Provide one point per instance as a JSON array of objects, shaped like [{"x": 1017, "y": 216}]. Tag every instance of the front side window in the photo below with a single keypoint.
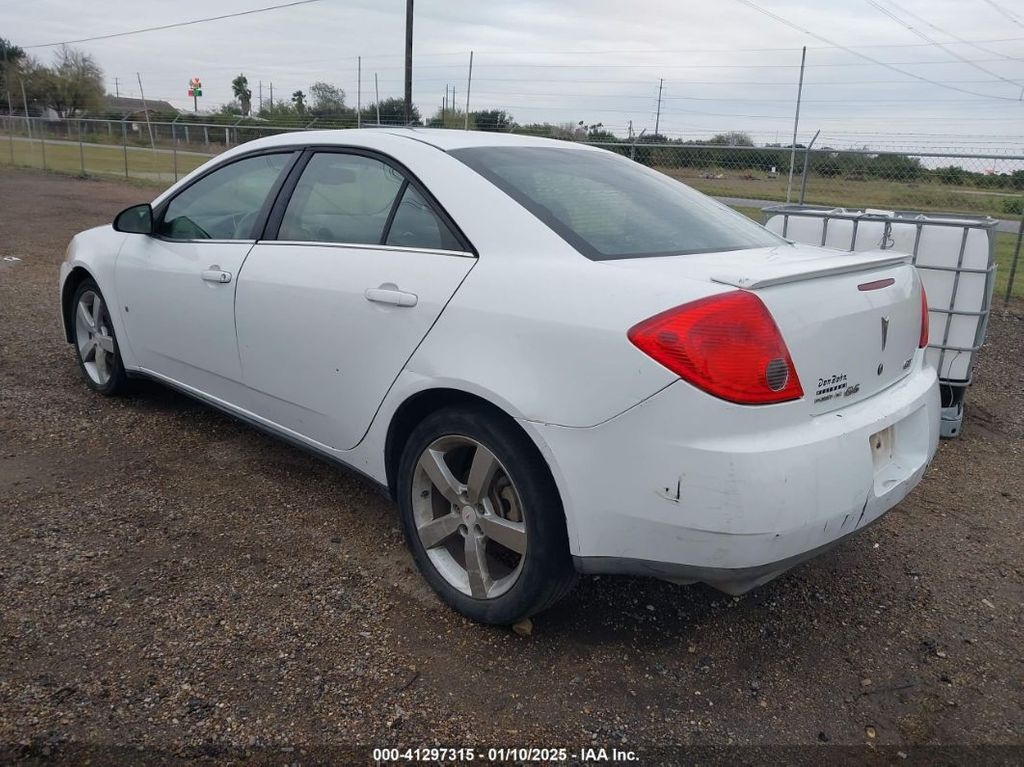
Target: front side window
[
  {"x": 608, "y": 207},
  {"x": 225, "y": 204},
  {"x": 345, "y": 198}
]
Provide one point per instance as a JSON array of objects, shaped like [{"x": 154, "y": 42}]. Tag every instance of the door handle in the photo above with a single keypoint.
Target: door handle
[
  {"x": 216, "y": 274},
  {"x": 390, "y": 294}
]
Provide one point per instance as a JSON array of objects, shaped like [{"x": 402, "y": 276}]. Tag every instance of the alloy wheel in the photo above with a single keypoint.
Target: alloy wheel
[
  {"x": 94, "y": 338},
  {"x": 469, "y": 517}
]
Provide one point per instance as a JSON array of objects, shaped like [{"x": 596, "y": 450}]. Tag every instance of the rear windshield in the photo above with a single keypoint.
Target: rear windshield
[{"x": 609, "y": 207}]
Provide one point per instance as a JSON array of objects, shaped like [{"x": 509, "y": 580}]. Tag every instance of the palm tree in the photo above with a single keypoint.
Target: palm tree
[
  {"x": 299, "y": 100},
  {"x": 240, "y": 86}
]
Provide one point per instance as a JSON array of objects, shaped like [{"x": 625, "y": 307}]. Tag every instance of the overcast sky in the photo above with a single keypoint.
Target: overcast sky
[{"x": 726, "y": 66}]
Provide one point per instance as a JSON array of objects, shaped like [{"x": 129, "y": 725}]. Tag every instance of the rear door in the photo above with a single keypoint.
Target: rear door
[{"x": 357, "y": 264}]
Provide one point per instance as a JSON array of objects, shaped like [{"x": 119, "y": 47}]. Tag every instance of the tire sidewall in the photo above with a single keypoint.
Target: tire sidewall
[{"x": 547, "y": 555}]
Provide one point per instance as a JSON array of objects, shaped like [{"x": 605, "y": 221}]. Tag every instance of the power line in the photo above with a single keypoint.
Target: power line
[
  {"x": 943, "y": 46},
  {"x": 1012, "y": 17},
  {"x": 730, "y": 51},
  {"x": 176, "y": 24},
  {"x": 946, "y": 32},
  {"x": 804, "y": 30}
]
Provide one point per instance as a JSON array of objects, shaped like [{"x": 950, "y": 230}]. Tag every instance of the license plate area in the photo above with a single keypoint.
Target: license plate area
[{"x": 882, "y": 443}]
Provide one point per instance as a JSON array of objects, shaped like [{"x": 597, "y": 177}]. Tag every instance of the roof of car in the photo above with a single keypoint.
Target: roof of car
[{"x": 442, "y": 138}]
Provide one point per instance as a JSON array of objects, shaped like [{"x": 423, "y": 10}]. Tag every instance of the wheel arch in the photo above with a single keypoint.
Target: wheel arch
[
  {"x": 76, "y": 277},
  {"x": 420, "y": 405}
]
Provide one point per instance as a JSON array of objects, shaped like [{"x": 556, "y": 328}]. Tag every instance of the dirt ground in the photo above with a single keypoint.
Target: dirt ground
[{"x": 173, "y": 580}]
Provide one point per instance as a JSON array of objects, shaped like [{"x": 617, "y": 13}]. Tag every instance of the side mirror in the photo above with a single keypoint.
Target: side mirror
[{"x": 138, "y": 219}]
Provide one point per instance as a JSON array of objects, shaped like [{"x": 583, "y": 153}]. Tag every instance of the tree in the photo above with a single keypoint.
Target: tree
[
  {"x": 328, "y": 100},
  {"x": 11, "y": 56},
  {"x": 492, "y": 120},
  {"x": 10, "y": 52},
  {"x": 299, "y": 100},
  {"x": 240, "y": 87},
  {"x": 732, "y": 138},
  {"x": 73, "y": 84},
  {"x": 392, "y": 112}
]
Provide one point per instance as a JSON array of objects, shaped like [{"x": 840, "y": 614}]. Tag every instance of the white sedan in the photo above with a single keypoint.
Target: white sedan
[{"x": 554, "y": 359}]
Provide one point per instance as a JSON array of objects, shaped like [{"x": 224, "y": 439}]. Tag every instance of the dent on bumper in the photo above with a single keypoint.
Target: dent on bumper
[{"x": 681, "y": 492}]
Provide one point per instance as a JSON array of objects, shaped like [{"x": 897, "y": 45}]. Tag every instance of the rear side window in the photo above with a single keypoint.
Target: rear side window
[
  {"x": 608, "y": 207},
  {"x": 225, "y": 204},
  {"x": 415, "y": 225},
  {"x": 341, "y": 198}
]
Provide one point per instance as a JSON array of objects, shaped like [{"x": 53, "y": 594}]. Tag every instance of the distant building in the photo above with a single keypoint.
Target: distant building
[{"x": 124, "y": 107}]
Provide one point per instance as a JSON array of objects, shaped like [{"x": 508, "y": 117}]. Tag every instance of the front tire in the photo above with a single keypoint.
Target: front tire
[
  {"x": 482, "y": 516},
  {"x": 95, "y": 343}
]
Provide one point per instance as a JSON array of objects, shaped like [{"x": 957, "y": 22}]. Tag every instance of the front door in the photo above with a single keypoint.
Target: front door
[
  {"x": 177, "y": 286},
  {"x": 329, "y": 312}
]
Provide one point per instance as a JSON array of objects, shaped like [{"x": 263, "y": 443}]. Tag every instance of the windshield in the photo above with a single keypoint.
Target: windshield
[{"x": 609, "y": 207}]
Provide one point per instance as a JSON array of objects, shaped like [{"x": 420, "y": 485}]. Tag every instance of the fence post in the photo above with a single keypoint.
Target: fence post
[
  {"x": 1016, "y": 255},
  {"x": 807, "y": 163},
  {"x": 174, "y": 148},
  {"x": 124, "y": 145},
  {"x": 81, "y": 148},
  {"x": 10, "y": 136},
  {"x": 42, "y": 145}
]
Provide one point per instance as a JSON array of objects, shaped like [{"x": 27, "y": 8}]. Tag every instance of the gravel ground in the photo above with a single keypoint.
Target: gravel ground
[{"x": 173, "y": 580}]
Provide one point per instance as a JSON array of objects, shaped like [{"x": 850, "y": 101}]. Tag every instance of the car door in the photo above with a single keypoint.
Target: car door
[
  {"x": 358, "y": 263},
  {"x": 177, "y": 286}
]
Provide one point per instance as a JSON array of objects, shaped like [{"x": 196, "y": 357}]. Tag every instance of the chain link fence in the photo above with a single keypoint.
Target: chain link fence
[{"x": 747, "y": 177}]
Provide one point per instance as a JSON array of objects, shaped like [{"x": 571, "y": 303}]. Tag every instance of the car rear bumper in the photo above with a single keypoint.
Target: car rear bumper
[{"x": 689, "y": 488}]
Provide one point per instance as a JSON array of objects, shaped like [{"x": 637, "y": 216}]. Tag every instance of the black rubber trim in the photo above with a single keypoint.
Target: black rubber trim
[
  {"x": 394, "y": 211},
  {"x": 280, "y": 204}
]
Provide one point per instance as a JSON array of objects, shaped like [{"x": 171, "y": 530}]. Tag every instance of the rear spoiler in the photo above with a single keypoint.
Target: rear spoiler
[{"x": 768, "y": 274}]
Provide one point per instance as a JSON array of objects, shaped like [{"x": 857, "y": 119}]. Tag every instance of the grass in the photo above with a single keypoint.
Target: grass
[
  {"x": 838, "y": 191},
  {"x": 1006, "y": 242},
  {"x": 99, "y": 160}
]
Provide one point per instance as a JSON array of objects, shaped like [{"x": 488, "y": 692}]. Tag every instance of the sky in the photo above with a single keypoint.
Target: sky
[{"x": 945, "y": 75}]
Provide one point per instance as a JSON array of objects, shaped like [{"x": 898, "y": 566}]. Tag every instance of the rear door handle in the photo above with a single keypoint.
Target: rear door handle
[
  {"x": 390, "y": 295},
  {"x": 216, "y": 274}
]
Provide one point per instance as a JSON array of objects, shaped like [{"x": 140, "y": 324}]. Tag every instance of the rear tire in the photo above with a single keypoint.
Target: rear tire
[
  {"x": 99, "y": 357},
  {"x": 482, "y": 516}
]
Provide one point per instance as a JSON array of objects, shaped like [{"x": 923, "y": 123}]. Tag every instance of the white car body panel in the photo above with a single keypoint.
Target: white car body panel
[
  {"x": 655, "y": 475},
  {"x": 176, "y": 322},
  {"x": 291, "y": 303}
]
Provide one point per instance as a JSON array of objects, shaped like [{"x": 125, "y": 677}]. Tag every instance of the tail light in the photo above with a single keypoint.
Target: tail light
[
  {"x": 728, "y": 345},
  {"x": 924, "y": 319}
]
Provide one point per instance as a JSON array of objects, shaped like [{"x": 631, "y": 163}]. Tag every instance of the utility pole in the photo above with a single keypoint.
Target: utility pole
[
  {"x": 117, "y": 87},
  {"x": 657, "y": 119},
  {"x": 408, "y": 61},
  {"x": 10, "y": 109},
  {"x": 796, "y": 124},
  {"x": 152, "y": 144},
  {"x": 261, "y": 95},
  {"x": 359, "y": 91},
  {"x": 24, "y": 101},
  {"x": 376, "y": 96},
  {"x": 469, "y": 84},
  {"x": 271, "y": 94}
]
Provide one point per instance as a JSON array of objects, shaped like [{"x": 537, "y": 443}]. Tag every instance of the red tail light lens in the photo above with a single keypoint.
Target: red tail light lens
[
  {"x": 924, "y": 319},
  {"x": 728, "y": 345}
]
